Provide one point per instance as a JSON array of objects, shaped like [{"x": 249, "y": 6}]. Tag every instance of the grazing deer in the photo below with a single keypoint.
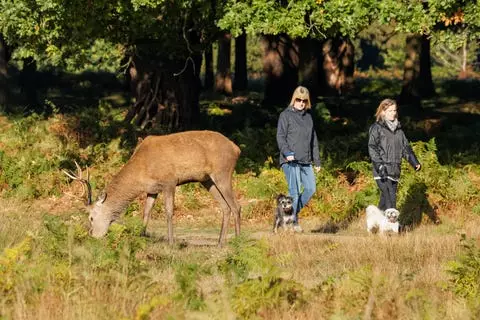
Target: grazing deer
[{"x": 160, "y": 163}]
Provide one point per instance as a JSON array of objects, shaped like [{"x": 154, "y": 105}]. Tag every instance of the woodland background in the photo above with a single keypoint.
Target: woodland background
[{"x": 84, "y": 80}]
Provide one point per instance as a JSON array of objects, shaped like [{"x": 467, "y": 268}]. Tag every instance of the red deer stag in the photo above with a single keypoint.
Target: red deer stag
[{"x": 159, "y": 164}]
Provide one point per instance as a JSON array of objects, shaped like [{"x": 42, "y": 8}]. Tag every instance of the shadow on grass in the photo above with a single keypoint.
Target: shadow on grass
[{"x": 416, "y": 204}]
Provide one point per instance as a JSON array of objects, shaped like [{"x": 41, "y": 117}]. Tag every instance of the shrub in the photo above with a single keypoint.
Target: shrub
[
  {"x": 187, "y": 276},
  {"x": 465, "y": 270},
  {"x": 11, "y": 264},
  {"x": 255, "y": 279}
]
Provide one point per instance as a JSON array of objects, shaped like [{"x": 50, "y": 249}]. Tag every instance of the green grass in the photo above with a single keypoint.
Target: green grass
[{"x": 51, "y": 268}]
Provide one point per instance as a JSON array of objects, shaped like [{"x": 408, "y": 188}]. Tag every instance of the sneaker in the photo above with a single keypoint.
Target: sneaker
[{"x": 297, "y": 228}]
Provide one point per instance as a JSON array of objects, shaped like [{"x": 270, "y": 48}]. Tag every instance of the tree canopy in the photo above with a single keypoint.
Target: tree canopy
[
  {"x": 55, "y": 30},
  {"x": 306, "y": 18},
  {"x": 322, "y": 18}
]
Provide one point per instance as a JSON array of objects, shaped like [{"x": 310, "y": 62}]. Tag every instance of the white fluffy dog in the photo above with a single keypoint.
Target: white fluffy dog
[{"x": 379, "y": 221}]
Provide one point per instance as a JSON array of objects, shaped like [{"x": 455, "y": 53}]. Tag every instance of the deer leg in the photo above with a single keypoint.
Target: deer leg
[
  {"x": 224, "y": 186},
  {"x": 212, "y": 188},
  {"x": 168, "y": 197},
  {"x": 148, "y": 208}
]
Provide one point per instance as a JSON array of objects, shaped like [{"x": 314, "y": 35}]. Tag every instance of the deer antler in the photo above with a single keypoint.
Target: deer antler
[{"x": 85, "y": 182}]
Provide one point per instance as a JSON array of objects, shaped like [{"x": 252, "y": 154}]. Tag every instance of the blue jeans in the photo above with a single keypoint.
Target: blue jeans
[{"x": 299, "y": 175}]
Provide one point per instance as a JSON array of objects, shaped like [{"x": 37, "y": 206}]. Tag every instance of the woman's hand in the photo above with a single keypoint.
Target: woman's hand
[
  {"x": 290, "y": 158},
  {"x": 418, "y": 167},
  {"x": 317, "y": 168}
]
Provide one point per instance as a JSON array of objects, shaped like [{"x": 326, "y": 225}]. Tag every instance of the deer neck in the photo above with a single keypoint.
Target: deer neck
[{"x": 122, "y": 190}]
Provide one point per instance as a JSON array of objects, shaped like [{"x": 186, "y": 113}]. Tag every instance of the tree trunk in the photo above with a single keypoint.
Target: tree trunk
[
  {"x": 417, "y": 75},
  {"x": 309, "y": 66},
  {"x": 464, "y": 68},
  {"x": 28, "y": 82},
  {"x": 477, "y": 63},
  {"x": 223, "y": 79},
  {"x": 167, "y": 94},
  {"x": 427, "y": 89},
  {"x": 280, "y": 66},
  {"x": 208, "y": 79},
  {"x": 240, "y": 81},
  {"x": 338, "y": 66},
  {"x": 3, "y": 74}
]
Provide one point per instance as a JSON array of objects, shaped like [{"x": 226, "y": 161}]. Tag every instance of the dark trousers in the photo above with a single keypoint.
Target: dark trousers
[{"x": 388, "y": 193}]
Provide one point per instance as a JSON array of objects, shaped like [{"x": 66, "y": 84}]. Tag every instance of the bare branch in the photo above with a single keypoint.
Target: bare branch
[{"x": 185, "y": 67}]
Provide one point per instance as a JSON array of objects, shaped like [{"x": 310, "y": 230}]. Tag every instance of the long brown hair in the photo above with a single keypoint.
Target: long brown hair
[{"x": 384, "y": 105}]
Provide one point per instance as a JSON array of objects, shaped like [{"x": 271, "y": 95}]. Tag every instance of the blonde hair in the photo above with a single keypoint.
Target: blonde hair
[
  {"x": 301, "y": 93},
  {"x": 384, "y": 105}
]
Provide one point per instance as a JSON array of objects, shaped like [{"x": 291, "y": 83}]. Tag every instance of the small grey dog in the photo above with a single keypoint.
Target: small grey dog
[{"x": 283, "y": 212}]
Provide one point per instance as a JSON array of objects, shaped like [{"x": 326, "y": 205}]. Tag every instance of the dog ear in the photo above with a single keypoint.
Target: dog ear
[{"x": 280, "y": 196}]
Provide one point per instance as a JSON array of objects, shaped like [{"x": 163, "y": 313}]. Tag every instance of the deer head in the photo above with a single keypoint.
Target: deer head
[{"x": 99, "y": 219}]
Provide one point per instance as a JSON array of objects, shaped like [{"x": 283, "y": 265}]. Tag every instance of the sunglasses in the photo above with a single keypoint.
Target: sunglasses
[{"x": 301, "y": 100}]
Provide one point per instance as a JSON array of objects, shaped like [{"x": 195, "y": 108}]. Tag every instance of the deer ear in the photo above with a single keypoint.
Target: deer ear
[{"x": 101, "y": 198}]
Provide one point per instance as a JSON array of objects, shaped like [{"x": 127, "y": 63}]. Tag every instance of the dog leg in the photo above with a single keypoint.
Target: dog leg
[{"x": 276, "y": 224}]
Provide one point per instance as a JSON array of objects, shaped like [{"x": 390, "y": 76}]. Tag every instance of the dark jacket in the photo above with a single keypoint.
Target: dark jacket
[
  {"x": 387, "y": 148},
  {"x": 296, "y": 136}
]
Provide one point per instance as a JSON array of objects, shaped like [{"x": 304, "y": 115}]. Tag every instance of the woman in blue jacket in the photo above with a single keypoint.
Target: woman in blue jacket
[
  {"x": 299, "y": 154},
  {"x": 387, "y": 145}
]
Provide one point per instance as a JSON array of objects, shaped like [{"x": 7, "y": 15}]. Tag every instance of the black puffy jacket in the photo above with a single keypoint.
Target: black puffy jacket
[
  {"x": 387, "y": 148},
  {"x": 296, "y": 136}
]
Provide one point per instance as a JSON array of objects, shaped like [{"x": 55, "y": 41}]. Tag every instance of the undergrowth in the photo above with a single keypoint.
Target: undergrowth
[
  {"x": 37, "y": 148},
  {"x": 465, "y": 274},
  {"x": 255, "y": 280},
  {"x": 50, "y": 260}
]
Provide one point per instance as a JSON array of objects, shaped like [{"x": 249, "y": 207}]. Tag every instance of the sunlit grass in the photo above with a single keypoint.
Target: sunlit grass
[{"x": 346, "y": 274}]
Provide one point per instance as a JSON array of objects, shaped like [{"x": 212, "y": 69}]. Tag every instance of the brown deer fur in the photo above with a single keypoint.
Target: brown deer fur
[{"x": 159, "y": 164}]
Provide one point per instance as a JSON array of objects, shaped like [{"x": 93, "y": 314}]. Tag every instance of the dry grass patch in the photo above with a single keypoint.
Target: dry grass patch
[{"x": 378, "y": 277}]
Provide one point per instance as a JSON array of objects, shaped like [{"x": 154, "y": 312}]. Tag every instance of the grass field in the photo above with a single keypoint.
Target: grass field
[{"x": 51, "y": 269}]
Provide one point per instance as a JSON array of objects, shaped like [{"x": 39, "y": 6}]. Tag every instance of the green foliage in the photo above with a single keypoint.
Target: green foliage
[
  {"x": 389, "y": 87},
  {"x": 346, "y": 18},
  {"x": 391, "y": 46},
  {"x": 418, "y": 301},
  {"x": 254, "y": 56},
  {"x": 258, "y": 146},
  {"x": 465, "y": 272},
  {"x": 321, "y": 19},
  {"x": 78, "y": 34},
  {"x": 409, "y": 16},
  {"x": 297, "y": 19},
  {"x": 335, "y": 198},
  {"x": 246, "y": 257},
  {"x": 267, "y": 184},
  {"x": 321, "y": 111},
  {"x": 59, "y": 234},
  {"x": 255, "y": 295},
  {"x": 37, "y": 146},
  {"x": 255, "y": 280},
  {"x": 192, "y": 192},
  {"x": 476, "y": 209},
  {"x": 101, "y": 56},
  {"x": 11, "y": 264},
  {"x": 144, "y": 310},
  {"x": 451, "y": 184},
  {"x": 433, "y": 181},
  {"x": 186, "y": 277},
  {"x": 116, "y": 251},
  {"x": 29, "y": 160}
]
